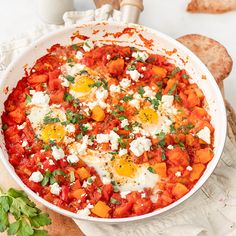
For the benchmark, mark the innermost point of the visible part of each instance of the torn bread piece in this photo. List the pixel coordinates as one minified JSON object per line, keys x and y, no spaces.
{"x":213,"y":54}
{"x":211,"y":6}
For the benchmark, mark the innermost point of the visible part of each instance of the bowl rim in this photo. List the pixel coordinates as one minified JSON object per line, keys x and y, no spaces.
{"x":157,"y":212}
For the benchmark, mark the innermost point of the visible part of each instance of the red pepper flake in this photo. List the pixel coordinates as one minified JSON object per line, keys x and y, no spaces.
{"x":169,"y":53}
{"x":148,"y":43}
{"x":95,"y":31}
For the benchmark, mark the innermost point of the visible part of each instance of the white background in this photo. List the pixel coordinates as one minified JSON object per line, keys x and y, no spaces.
{"x":169,"y":16}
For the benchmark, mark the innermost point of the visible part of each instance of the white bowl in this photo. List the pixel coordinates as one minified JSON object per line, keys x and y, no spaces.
{"x":162,"y":44}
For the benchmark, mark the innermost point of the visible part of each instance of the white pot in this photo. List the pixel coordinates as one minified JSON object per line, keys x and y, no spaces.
{"x":161,"y":44}
{"x":51,"y":11}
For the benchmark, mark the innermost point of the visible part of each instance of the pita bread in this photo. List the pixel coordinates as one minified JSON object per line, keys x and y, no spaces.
{"x":211,"y":6}
{"x":213,"y":54}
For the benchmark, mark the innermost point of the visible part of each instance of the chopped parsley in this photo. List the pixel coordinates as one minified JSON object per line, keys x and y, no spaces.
{"x":50,"y":120}
{"x":115,"y":201}
{"x":68,"y":97}
{"x":172,"y":129}
{"x":177,"y":98}
{"x":4,"y":126}
{"x":28,"y":98}
{"x":131,"y":68}
{"x":172,"y":89}
{"x":161,"y":138}
{"x":74,"y":47}
{"x":69,"y":60}
{"x":141,"y":91}
{"x":127,"y":98}
{"x":70,"y":78}
{"x":184,"y":76}
{"x":163,"y":156}
{"x":72,"y":176}
{"x":46,"y":147}
{"x":73,"y":117}
{"x":100,"y":83}
{"x":150,"y":169}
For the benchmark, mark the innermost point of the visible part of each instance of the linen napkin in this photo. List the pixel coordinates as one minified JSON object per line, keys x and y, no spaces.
{"x":211,"y":211}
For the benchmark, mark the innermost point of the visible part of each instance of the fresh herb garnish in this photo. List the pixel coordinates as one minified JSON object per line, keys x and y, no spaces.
{"x":73,"y":117}
{"x":127,"y":98}
{"x":131,"y":68}
{"x":74,"y":47}
{"x":163,"y":156}
{"x":69,"y":60}
{"x":184,"y":76}
{"x":122,"y":143}
{"x":141,"y":91}
{"x":161,"y":138}
{"x":172,"y":89}
{"x":50,"y":120}
{"x":100,"y":83}
{"x":20,"y":216}
{"x":46,"y":147}
{"x":68,"y":97}
{"x":115,"y":201}
{"x":150,"y":169}
{"x":70,"y":78}
{"x":28,"y":98}
{"x":172,"y":129}
{"x":177,"y":98}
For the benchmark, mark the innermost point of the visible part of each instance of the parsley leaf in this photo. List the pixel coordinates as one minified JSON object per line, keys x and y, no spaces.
{"x":127,"y":98}
{"x":70,"y":78}
{"x":28,"y":98}
{"x":49,"y":120}
{"x":68,"y":97}
{"x":115,"y":201}
{"x":20,"y":216}
{"x":150,"y":169}
{"x":74,"y":47}
{"x":172,"y":89}
{"x":141,"y":91}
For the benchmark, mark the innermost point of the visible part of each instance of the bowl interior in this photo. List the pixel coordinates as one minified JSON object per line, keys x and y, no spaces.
{"x":143,"y":38}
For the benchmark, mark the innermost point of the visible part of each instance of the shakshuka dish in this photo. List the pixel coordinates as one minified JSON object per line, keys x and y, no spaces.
{"x":107,"y":131}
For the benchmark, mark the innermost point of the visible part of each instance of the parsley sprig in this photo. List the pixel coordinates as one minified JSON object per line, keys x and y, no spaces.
{"x":20,"y":216}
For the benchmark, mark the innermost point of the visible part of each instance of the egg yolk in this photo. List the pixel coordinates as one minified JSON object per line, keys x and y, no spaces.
{"x":82,"y":84}
{"x":125,"y":167}
{"x":53,"y":132}
{"x":148,"y":115}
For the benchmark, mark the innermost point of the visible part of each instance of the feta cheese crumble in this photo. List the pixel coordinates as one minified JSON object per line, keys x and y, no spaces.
{"x":36,"y":177}
{"x":55,"y":189}
{"x":79,"y":55}
{"x":114,"y":89}
{"x":72,"y":159}
{"x":88,"y":45}
{"x":140,"y":56}
{"x":125,"y":83}
{"x":178,"y":174}
{"x":40,"y":98}
{"x":205,"y":135}
{"x":122,"y":152}
{"x":57,"y":153}
{"x":140,"y":145}
{"x":134,"y":74}
{"x":124,"y":123}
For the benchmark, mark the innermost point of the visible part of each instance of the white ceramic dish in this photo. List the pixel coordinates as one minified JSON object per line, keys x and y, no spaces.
{"x":162,"y":44}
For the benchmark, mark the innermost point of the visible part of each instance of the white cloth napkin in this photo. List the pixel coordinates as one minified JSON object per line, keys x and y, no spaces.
{"x":211,"y":211}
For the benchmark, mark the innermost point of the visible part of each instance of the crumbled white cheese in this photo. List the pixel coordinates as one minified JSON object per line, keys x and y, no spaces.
{"x":124,"y":193}
{"x":135,"y":103}
{"x":57,"y":153}
{"x":108,"y":57}
{"x":82,"y":147}
{"x":88,"y":126}
{"x":170,"y":147}
{"x":140,"y":145}
{"x":85,"y":211}
{"x":68,"y":140}
{"x":125,"y":83}
{"x":36,"y":177}
{"x":143,"y":68}
{"x":70,"y":128}
{"x":114,"y":89}
{"x":205,"y":135}
{"x":55,"y":189}
{"x":101,"y":94}
{"x":134,"y":74}
{"x":178,"y":174}
{"x":79,"y":55}
{"x":88,"y":45}
{"x":40,"y":98}
{"x":148,"y":93}
{"x":73,"y":70}
{"x":24,"y":143}
{"x":72,"y":159}
{"x":114,"y":137}
{"x":32,"y":91}
{"x":122,"y":152}
{"x":141,"y":56}
{"x":167,"y":100}
{"x":22,"y":126}
{"x":124,"y":123}
{"x":51,"y":162}
{"x":189,"y":168}
{"x":102,"y":138}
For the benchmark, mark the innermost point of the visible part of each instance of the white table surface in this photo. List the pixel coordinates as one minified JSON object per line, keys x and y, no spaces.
{"x":169,"y":16}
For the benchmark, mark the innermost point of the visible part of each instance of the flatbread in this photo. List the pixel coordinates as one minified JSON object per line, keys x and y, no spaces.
{"x":213,"y":54}
{"x":211,"y":6}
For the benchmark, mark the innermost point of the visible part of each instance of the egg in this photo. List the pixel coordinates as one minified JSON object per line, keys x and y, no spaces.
{"x":121,"y":169}
{"x":81,"y":86}
{"x":155,"y":121}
